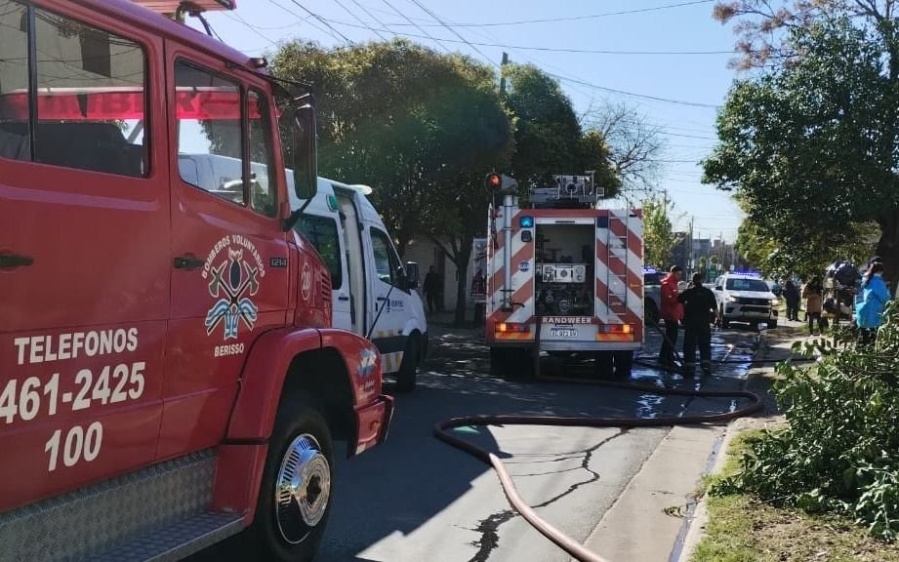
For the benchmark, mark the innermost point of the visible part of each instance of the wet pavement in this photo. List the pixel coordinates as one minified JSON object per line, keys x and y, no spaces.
{"x":415,"y":498}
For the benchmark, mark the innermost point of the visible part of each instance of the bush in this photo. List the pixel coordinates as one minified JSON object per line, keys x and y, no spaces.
{"x":839,"y":451}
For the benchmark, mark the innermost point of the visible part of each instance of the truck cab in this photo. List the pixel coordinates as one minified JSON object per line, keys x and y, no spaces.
{"x":374,"y":296}
{"x":169,"y":375}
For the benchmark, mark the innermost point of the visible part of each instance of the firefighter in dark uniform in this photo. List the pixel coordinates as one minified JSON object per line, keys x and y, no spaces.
{"x":699,"y":314}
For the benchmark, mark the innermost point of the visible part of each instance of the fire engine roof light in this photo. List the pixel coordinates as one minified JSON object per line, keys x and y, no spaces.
{"x":526,"y":222}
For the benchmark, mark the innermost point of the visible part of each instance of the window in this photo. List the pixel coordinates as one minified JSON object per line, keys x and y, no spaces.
{"x":210,"y":144}
{"x":210,"y":138}
{"x":262,"y":190}
{"x":322,"y":233}
{"x":91,"y":106}
{"x":387,"y":263}
{"x":753,"y":285}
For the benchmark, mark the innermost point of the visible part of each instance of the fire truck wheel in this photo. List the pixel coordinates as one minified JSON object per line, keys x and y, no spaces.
{"x":405,"y":377}
{"x":624,"y":363}
{"x":602,"y":364}
{"x":497,"y":362}
{"x":297,"y":485}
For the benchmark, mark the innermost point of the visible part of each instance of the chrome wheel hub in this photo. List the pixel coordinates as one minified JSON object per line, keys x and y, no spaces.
{"x":303,"y":488}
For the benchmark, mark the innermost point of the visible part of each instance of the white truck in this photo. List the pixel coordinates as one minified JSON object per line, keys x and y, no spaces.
{"x":374,"y":296}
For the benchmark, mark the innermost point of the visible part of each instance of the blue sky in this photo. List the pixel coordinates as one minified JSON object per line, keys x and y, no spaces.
{"x":258,"y":25}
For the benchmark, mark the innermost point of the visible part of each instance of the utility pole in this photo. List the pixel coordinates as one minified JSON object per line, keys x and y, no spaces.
{"x":502,"y":78}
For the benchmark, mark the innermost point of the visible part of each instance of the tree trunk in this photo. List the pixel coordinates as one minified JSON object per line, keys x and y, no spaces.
{"x":888,"y":246}
{"x":461,"y":294}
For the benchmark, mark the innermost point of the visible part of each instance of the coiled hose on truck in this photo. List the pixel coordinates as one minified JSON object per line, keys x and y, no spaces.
{"x":569,"y":545}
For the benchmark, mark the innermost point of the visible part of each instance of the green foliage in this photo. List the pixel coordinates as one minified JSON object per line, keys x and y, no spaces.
{"x":549,"y":138}
{"x":760,"y":250}
{"x":419,"y":127}
{"x":658,"y":236}
{"x":809,"y":148}
{"x":838,"y":451}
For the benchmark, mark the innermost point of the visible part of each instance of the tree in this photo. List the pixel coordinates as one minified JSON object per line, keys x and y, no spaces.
{"x":549,"y":138}
{"x":809,"y":148}
{"x":835,"y":86}
{"x":658,"y":236}
{"x":634,"y":144}
{"x":420,"y":128}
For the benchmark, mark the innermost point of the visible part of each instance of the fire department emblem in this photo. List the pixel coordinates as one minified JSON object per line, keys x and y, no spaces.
{"x":367,"y":361}
{"x":233,"y":281}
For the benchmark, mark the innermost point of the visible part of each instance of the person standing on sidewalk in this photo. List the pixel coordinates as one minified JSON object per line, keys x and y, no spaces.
{"x":672,"y":313}
{"x":431,"y":289}
{"x":699,"y":314}
{"x":869,"y":312}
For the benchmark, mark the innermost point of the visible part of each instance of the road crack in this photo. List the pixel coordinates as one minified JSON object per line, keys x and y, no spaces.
{"x":489,"y":527}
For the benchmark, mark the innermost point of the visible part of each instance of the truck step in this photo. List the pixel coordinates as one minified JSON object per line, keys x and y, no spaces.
{"x":86,"y":524}
{"x":176,"y":540}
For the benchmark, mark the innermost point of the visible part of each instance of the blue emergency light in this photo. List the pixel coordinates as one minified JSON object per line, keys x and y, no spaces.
{"x":526,"y":222}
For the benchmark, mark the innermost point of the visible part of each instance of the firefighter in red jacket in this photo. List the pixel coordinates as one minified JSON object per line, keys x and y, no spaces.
{"x":672,"y":314}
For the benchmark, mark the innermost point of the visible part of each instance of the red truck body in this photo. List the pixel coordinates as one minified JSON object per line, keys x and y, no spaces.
{"x":152,"y":328}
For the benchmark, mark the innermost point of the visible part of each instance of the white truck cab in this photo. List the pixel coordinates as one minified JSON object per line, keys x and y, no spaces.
{"x":372,"y":293}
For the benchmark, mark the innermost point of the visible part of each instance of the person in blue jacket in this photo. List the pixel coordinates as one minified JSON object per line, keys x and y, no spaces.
{"x":869,"y":310}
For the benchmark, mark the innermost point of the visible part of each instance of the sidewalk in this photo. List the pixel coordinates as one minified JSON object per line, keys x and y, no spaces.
{"x":656,"y":518}
{"x":775,"y":348}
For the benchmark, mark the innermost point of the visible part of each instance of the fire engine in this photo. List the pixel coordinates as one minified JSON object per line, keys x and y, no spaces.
{"x":169,"y":376}
{"x":563,"y":276}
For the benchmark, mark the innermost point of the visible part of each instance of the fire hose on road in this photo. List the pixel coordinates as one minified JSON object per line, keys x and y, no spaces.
{"x":442,"y":431}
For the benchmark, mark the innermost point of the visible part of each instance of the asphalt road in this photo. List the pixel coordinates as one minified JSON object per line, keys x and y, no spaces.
{"x":414,"y":498}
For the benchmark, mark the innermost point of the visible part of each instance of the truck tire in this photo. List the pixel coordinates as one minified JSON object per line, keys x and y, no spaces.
{"x":297,"y":485}
{"x":624,"y":363}
{"x":498,"y":362}
{"x":405,"y":377}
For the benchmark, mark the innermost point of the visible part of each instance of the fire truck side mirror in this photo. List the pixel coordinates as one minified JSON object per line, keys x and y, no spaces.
{"x":305,"y":160}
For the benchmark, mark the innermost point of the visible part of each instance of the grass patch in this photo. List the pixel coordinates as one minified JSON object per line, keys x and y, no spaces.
{"x":744,"y":529}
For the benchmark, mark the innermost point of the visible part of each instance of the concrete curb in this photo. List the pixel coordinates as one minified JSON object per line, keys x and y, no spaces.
{"x":700,"y":516}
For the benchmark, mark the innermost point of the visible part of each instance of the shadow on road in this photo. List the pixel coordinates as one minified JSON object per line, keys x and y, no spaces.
{"x":399,"y":486}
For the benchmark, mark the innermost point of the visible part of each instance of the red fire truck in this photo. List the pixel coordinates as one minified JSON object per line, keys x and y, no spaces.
{"x":563,"y":276}
{"x":168,"y":374}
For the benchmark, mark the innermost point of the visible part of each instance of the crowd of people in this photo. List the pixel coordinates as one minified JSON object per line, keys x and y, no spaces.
{"x":695,"y":308}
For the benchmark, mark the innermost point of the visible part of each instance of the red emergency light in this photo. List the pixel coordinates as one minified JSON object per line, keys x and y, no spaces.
{"x":84,"y":104}
{"x":494,"y":181}
{"x":171,"y":6}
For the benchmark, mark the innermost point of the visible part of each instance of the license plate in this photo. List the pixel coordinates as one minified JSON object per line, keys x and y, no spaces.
{"x":563,"y":332}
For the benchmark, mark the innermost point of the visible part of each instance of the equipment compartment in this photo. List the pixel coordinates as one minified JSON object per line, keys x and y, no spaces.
{"x":565,"y":269}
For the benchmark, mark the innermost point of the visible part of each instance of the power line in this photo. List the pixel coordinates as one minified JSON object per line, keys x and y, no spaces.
{"x":323,"y":20}
{"x":453,"y":31}
{"x":572,"y":18}
{"x":374,"y":17}
{"x":429,"y":36}
{"x":302,"y":19}
{"x":472,"y":44}
{"x":360,"y":20}
{"x":635,"y":95}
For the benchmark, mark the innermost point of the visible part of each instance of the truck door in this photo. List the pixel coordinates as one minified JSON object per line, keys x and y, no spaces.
{"x":388,"y":312}
{"x":229,"y":253}
{"x":325,"y":233}
{"x":84,"y":251}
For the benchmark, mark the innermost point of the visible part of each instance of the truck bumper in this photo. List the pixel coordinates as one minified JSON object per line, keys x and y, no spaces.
{"x":373,"y":423}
